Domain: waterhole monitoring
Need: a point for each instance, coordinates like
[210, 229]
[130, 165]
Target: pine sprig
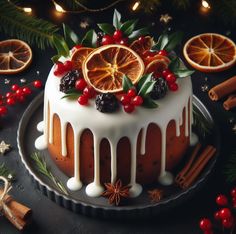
[6, 172]
[230, 168]
[43, 169]
[16, 23]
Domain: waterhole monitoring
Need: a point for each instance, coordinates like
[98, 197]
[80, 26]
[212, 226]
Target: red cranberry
[80, 84]
[19, 92]
[131, 92]
[21, 98]
[205, 224]
[125, 99]
[68, 65]
[137, 101]
[107, 40]
[228, 223]
[117, 35]
[123, 41]
[89, 92]
[233, 192]
[11, 101]
[37, 84]
[27, 91]
[170, 78]
[217, 215]
[9, 94]
[59, 69]
[3, 110]
[222, 200]
[173, 87]
[78, 46]
[129, 108]
[141, 40]
[225, 213]
[163, 53]
[83, 100]
[14, 87]
[166, 72]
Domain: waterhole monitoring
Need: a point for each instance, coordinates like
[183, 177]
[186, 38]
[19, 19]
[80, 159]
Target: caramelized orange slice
[15, 56]
[79, 56]
[210, 52]
[106, 66]
[139, 48]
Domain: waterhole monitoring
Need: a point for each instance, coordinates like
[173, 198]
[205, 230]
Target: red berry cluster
[116, 38]
[130, 100]
[87, 91]
[224, 216]
[62, 68]
[17, 94]
[171, 79]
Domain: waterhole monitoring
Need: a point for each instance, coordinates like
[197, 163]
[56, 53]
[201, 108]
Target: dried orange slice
[157, 65]
[15, 56]
[150, 59]
[106, 66]
[139, 48]
[80, 55]
[210, 52]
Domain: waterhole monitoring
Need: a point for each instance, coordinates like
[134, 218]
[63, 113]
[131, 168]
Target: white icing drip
[143, 140]
[63, 138]
[166, 178]
[125, 126]
[193, 139]
[186, 120]
[40, 126]
[177, 125]
[40, 143]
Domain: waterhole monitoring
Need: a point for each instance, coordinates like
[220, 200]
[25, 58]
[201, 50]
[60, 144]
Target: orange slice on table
[210, 52]
[15, 56]
[80, 55]
[139, 48]
[106, 66]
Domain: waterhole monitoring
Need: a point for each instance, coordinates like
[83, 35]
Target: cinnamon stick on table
[230, 102]
[223, 89]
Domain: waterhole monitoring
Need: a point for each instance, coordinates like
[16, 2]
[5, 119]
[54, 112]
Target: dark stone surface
[49, 218]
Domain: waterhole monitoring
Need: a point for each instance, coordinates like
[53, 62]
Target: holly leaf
[146, 88]
[174, 64]
[143, 80]
[161, 43]
[90, 39]
[116, 19]
[60, 45]
[149, 103]
[174, 40]
[55, 58]
[70, 36]
[183, 73]
[137, 33]
[107, 28]
[127, 83]
[72, 95]
[128, 27]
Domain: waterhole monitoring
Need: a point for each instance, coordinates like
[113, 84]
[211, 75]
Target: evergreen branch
[16, 23]
[6, 172]
[230, 168]
[43, 169]
[183, 4]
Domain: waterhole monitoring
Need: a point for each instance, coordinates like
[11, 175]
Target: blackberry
[99, 38]
[68, 81]
[160, 89]
[106, 102]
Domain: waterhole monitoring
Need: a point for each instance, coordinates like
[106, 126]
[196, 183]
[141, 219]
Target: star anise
[155, 195]
[115, 192]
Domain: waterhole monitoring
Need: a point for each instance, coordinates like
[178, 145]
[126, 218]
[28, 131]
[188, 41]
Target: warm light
[59, 8]
[205, 4]
[27, 9]
[135, 6]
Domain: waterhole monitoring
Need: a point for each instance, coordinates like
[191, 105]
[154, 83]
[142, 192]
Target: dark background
[48, 217]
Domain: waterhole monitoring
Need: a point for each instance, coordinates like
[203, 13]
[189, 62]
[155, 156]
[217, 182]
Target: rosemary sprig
[6, 172]
[42, 168]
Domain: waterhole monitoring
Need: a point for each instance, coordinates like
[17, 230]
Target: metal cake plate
[139, 207]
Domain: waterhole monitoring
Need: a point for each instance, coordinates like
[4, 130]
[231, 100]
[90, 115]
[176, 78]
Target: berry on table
[225, 213]
[27, 90]
[83, 100]
[221, 200]
[208, 232]
[59, 69]
[19, 92]
[37, 84]
[106, 102]
[3, 110]
[8, 94]
[233, 192]
[228, 223]
[125, 99]
[11, 101]
[89, 92]
[107, 40]
[173, 87]
[68, 81]
[129, 108]
[20, 98]
[217, 215]
[160, 89]
[163, 53]
[80, 84]
[131, 92]
[205, 224]
[117, 35]
[137, 100]
[14, 87]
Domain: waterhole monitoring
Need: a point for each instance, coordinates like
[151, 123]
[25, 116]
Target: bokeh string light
[25, 9]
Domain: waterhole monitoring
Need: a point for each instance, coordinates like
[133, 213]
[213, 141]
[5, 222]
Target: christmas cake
[118, 107]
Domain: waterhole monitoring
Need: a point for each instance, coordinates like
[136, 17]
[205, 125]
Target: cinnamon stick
[223, 89]
[230, 102]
